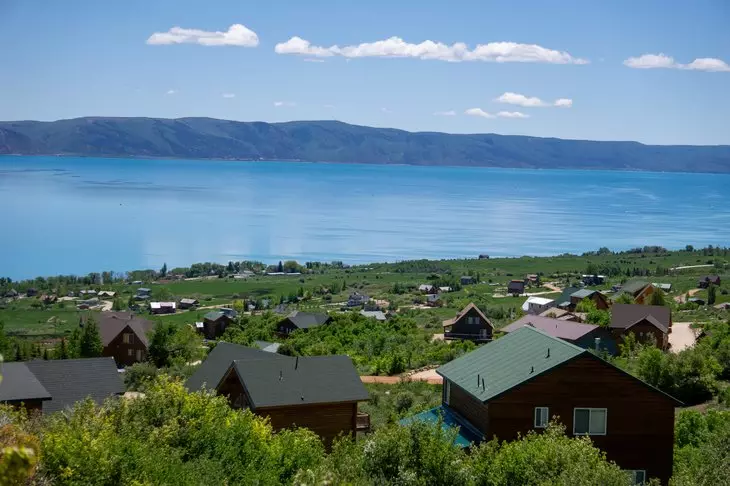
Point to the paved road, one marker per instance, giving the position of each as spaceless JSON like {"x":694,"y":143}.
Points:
{"x":681,"y":337}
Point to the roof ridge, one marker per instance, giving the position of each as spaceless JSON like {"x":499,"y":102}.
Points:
{"x":540,"y":331}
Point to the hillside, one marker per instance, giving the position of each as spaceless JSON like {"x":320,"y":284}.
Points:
{"x":332,"y":141}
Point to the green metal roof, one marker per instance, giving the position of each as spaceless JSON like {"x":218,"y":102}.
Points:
{"x":583,"y":293}
{"x":565,"y":295}
{"x":508,"y":362}
{"x":633,"y":286}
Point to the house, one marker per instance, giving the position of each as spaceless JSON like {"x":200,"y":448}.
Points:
{"x":433,"y":300}
{"x":31,"y":292}
{"x":646,"y":322}
{"x":229,"y":312}
{"x":428,"y":289}
{"x":638,"y":290}
{"x":516,"y":287}
{"x":532,"y":279}
{"x":445,"y":289}
{"x":536,"y":305}
{"x":301,"y":320}
{"x":189,"y":303}
{"x":124,"y":336}
{"x":723,"y":306}
{"x":586,"y":336}
{"x":564,"y":302}
{"x":357,"y":299}
{"x":664,"y":287}
{"x":597,"y":297}
{"x":519,"y":382}
{"x":466,"y":280}
{"x":377,"y":315}
{"x":143,"y":293}
{"x":11,"y":294}
{"x":56,"y":385}
{"x":470,"y":324}
{"x":320,"y":393}
{"x":48,"y":298}
{"x":107,"y":293}
{"x":592,"y":280}
{"x":163,"y":307}
{"x":708,"y":280}
{"x":215,"y":324}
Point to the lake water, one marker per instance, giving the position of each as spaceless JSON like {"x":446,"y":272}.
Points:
{"x":77,"y":215}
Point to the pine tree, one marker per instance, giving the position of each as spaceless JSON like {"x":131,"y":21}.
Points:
{"x":711,"y":294}
{"x":62,"y":350}
{"x":90,"y":345}
{"x":163,"y":270}
{"x":45,"y":354}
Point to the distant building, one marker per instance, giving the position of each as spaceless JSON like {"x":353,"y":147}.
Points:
{"x":124,"y":336}
{"x":597,"y":297}
{"x":516,"y":287}
{"x":586,"y":336}
{"x":708,"y":280}
{"x":189,"y":303}
{"x":466,"y":280}
{"x":107,"y":293}
{"x":357,"y":299}
{"x":377,"y":315}
{"x":469,"y":324}
{"x":427,"y":289}
{"x":299,"y":320}
{"x":163,"y":307}
{"x":536,"y":305}
{"x":648,"y":323}
{"x":592,"y":280}
{"x":215,"y":324}
{"x":142,"y":294}
{"x":638,"y":290}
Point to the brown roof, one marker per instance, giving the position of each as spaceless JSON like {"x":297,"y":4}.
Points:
{"x":554,"y":327}
{"x":463,"y":312}
{"x":112,"y":323}
{"x":554,"y":312}
{"x":624,"y":316}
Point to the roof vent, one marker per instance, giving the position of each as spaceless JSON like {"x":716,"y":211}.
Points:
{"x":478,"y":380}
{"x":302,"y":397}
{"x":281,"y":375}
{"x":532,"y":369}
{"x":548,"y":354}
{"x":296,"y":363}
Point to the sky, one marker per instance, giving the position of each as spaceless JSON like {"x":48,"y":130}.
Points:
{"x":653,"y":71}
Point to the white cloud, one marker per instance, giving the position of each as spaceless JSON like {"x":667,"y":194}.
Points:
{"x":457,"y":52}
{"x":280,"y":104}
{"x":236,"y":35}
{"x":658,"y":61}
{"x":512,"y":114}
{"x":312,"y":59}
{"x":171,"y":91}
{"x":563,"y":103}
{"x":386,"y":110}
{"x":445,"y":113}
{"x":478,"y":112}
{"x":229,"y":95}
{"x":520,"y":100}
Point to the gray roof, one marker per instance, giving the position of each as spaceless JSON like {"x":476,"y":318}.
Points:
{"x":565,"y":296}
{"x":300,"y":381}
{"x":64,"y":381}
{"x":633,"y":287}
{"x":267,"y":346}
{"x":19,"y":384}
{"x":583,"y":293}
{"x":305,"y":320}
{"x":623,"y":316}
{"x":554,"y":327}
{"x":377,"y":315}
{"x":188,"y":301}
{"x":215,"y":315}
{"x":211,"y":371}
{"x":112,"y":323}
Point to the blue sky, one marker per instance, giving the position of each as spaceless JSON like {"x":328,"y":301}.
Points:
{"x":90,"y":57}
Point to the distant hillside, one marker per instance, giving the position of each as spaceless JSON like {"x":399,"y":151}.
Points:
{"x":331,"y":141}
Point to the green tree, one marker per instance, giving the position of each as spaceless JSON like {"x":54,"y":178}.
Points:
{"x":118,"y":304}
{"x":6,"y":345}
{"x":163,"y":270}
{"x":657,"y":298}
{"x":62,"y":350}
{"x":90,"y":345}
{"x":711,"y":294}
{"x":170,"y":345}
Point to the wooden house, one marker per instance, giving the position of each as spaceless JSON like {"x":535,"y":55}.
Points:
{"x":466,"y":280}
{"x":470,"y":324}
{"x":215,"y":324}
{"x":638,"y":290}
{"x":56,"y":385}
{"x":163,"y":307}
{"x":521,"y":381}
{"x":357,"y":299}
{"x":188,"y":303}
{"x":299,"y":320}
{"x":597,"y":297}
{"x":648,"y":323}
{"x":320,"y":393}
{"x":516,"y":287}
{"x":708,"y":280}
{"x":124,"y":336}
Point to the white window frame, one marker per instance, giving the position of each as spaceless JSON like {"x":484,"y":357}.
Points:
{"x":130,"y":352}
{"x":544,"y":415}
{"x":590,"y":410}
{"x":634,"y":478}
{"x":127,"y":338}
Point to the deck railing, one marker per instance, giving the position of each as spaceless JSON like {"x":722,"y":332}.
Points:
{"x":362,"y":423}
{"x":471,"y":337}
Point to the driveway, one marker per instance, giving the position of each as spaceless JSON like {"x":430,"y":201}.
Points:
{"x":681,"y":337}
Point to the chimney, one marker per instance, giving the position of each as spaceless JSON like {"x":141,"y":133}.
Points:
{"x":483,"y":387}
{"x":532,"y":369}
{"x":281,"y":375}
{"x":548,"y":354}
{"x":478,"y":380}
{"x":598,"y":344}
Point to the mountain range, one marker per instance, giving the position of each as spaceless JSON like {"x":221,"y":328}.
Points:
{"x":333,"y":141}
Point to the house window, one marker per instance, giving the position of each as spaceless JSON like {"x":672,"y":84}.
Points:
{"x":447,"y":391}
{"x":472,"y":320}
{"x":139,"y":355}
{"x":541,"y":417}
{"x":638,"y":476}
{"x":130,"y":352}
{"x":590,"y":421}
{"x":127,"y":338}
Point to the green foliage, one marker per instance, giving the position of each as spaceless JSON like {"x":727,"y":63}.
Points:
{"x":657,"y":298}
{"x":593,"y":314}
{"x":387,"y":403}
{"x":85,"y":340}
{"x":171,"y":345}
{"x":139,"y":375}
{"x":711,"y":294}
{"x":702,"y":452}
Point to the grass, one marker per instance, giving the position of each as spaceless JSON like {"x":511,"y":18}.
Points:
{"x":389,"y":403}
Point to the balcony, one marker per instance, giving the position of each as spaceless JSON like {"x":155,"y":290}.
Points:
{"x":362,"y":423}
{"x":477,"y":338}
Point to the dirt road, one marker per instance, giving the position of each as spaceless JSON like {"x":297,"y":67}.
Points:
{"x":681,"y":337}
{"x":681,"y":299}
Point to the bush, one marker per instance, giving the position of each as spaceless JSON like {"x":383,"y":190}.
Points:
{"x":403,"y":401}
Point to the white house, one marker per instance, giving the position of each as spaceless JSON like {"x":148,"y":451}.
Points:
{"x":537,"y":305}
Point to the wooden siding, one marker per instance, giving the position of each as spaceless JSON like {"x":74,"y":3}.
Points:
{"x":644,"y":332}
{"x":644,"y":296}
{"x":640,"y":421}
{"x":214,"y":329}
{"x":326,"y":420}
{"x":30,"y":406}
{"x":468,"y":407}
{"x":471,"y":331}
{"x":119,"y":350}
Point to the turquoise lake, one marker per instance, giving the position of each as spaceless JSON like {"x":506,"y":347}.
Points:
{"x":63,"y":215}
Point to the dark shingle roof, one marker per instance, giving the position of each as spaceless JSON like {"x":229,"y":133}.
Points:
{"x":211,"y":371}
{"x":112,"y":323}
{"x":19,"y":384}
{"x":300,"y":381}
{"x":623,"y":316}
{"x":554,"y":327}
{"x":215,"y":315}
{"x":565,"y":296}
{"x":71,"y":380}
{"x":305,"y":320}
{"x":633,"y":287}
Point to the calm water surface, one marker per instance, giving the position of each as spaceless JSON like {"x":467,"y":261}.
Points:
{"x":77,"y":215}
